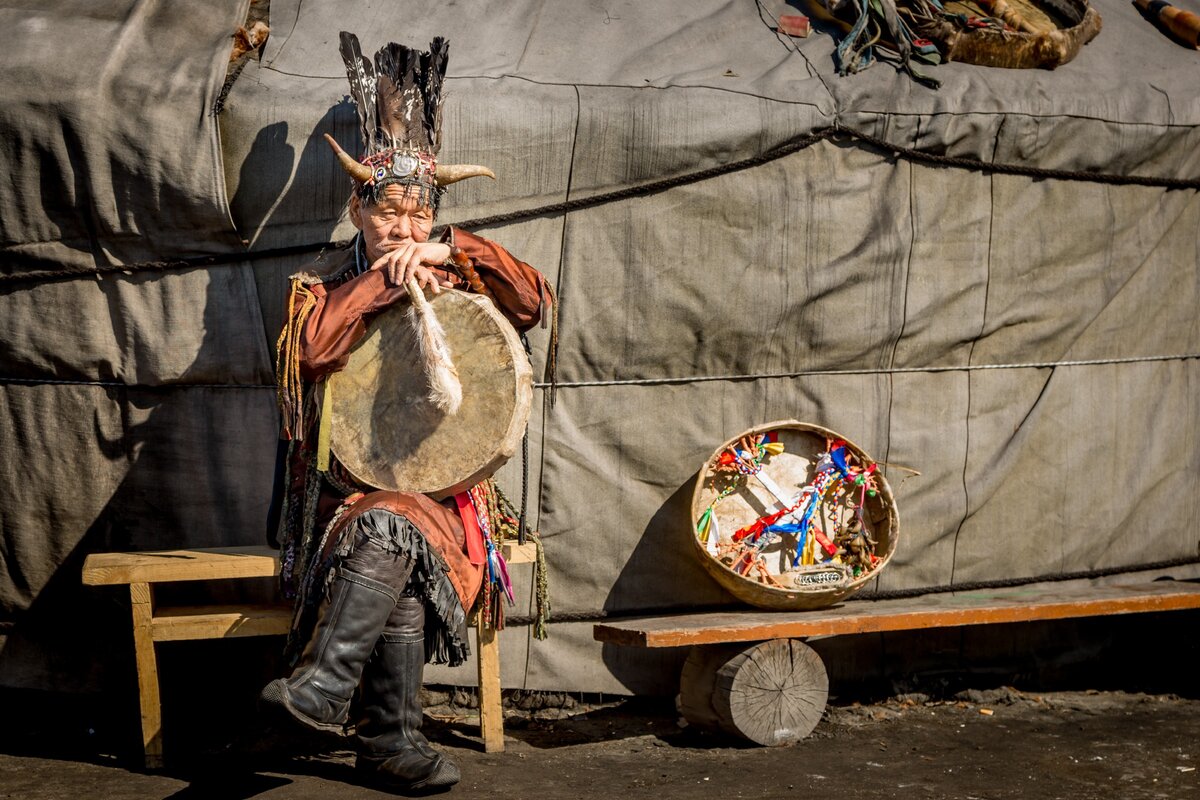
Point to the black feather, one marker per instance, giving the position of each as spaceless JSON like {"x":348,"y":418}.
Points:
{"x":362,"y":84}
{"x":400,"y":102}
{"x":435,"y":76}
{"x":399,"y":96}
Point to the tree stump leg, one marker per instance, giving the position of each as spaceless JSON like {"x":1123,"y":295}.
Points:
{"x":698,"y":680}
{"x":772,"y":693}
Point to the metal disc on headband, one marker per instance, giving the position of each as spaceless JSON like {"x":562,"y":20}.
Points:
{"x":388,"y":434}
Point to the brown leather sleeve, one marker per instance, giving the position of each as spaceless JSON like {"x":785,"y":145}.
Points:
{"x":519,"y":289}
{"x":339,"y":320}
{"x":341,"y":316}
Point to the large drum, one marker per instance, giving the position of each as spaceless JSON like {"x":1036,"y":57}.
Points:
{"x":802,"y":522}
{"x":387,"y":432}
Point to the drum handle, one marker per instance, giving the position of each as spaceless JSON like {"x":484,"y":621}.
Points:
{"x":465,"y":268}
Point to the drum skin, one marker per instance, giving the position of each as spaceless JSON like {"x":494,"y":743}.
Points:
{"x":388,"y":434}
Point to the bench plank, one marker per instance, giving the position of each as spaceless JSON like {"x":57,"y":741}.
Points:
{"x":256,"y":561}
{"x":1024,"y":604}
{"x":216,"y":563}
{"x":179,"y":623}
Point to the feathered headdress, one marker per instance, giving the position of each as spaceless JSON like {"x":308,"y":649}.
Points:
{"x":399,"y":100}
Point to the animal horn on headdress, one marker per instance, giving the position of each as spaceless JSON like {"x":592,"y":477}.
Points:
{"x":453,"y":173}
{"x":360,"y":172}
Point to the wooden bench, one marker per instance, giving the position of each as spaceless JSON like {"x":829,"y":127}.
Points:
{"x":774,"y":691}
{"x":140,"y":571}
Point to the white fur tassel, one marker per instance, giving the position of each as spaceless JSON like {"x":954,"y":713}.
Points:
{"x":445,"y":389}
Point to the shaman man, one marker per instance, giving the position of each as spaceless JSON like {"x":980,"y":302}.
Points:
{"x":382,"y":580}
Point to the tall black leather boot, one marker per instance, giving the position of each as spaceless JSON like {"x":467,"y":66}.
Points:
{"x":318,"y":693}
{"x":392,"y":752}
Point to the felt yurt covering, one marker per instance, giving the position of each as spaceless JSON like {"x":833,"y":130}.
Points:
{"x":1027,"y":342}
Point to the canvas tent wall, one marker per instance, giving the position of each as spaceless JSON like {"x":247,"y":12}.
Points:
{"x":1029,"y":344}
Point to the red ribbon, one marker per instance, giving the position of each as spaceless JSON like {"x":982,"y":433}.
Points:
{"x":476,"y":553}
{"x":823,"y":540}
{"x":756,"y":528}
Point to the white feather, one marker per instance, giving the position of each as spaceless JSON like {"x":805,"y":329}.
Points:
{"x":445,"y":389}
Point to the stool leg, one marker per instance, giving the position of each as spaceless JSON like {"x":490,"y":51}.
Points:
{"x":142,"y":603}
{"x":491,"y":708}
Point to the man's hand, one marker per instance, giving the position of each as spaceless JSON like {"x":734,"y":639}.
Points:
{"x":411,"y":261}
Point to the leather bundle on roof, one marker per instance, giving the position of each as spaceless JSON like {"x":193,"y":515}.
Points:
{"x":991,"y":33}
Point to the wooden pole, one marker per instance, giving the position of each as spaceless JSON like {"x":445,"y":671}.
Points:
{"x":1183,"y":25}
{"x":491,"y":706}
{"x":142,"y":605}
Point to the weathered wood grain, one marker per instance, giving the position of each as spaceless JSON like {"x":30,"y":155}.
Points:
{"x":772,"y":693}
{"x":142,"y":606}
{"x":698,"y":680}
{"x":181,"y":623}
{"x":491,"y":708}
{"x":257,"y":561}
{"x":214,"y":563}
{"x":1022,"y":604}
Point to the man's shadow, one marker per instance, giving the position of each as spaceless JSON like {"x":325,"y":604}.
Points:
{"x":282,"y":202}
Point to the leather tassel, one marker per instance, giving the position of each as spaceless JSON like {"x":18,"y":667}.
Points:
{"x":445,"y":389}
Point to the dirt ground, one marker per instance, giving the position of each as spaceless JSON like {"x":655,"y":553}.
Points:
{"x":992,"y":744}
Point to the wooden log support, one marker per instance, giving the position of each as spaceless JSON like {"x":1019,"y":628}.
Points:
{"x":772,"y":693}
{"x":698,"y":682}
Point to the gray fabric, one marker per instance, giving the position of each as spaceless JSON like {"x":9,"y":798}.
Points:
{"x":1130,"y":89}
{"x":110,"y":156}
{"x":146,"y":329}
{"x":899,"y":284}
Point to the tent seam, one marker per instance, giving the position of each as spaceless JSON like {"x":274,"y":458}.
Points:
{"x":987,"y":286}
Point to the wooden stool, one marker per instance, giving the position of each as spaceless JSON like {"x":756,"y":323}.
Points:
{"x":140,"y":571}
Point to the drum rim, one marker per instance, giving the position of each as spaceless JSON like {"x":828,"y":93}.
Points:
{"x":758,"y":594}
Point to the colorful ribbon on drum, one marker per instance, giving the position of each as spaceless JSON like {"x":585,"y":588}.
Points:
{"x":837,"y":478}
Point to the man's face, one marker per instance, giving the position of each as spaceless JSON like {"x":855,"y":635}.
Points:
{"x":396,"y":219}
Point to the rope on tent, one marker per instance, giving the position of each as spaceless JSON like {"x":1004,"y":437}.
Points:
{"x":1083,"y":362}
{"x":836,"y":134}
{"x":657,"y":381}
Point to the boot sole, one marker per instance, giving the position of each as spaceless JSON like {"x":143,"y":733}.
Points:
{"x":273,"y":702}
{"x":444,"y":776}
